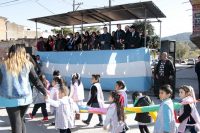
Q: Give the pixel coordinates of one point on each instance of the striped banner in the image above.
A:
(132, 66)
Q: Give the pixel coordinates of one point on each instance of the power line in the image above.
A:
(44, 7)
(15, 3)
(12, 1)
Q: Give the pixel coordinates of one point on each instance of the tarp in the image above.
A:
(130, 11)
(132, 66)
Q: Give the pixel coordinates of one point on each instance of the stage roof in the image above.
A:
(100, 15)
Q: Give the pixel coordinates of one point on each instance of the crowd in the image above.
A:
(19, 79)
(119, 39)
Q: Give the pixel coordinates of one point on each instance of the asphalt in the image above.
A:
(185, 75)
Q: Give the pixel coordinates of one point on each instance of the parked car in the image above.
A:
(191, 61)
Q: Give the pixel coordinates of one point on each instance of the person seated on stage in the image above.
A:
(105, 39)
(133, 39)
(119, 37)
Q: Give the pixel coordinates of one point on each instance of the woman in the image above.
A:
(94, 44)
(86, 41)
(15, 89)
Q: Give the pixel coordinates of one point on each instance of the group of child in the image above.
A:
(64, 105)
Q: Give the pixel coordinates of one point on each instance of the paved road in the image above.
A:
(185, 75)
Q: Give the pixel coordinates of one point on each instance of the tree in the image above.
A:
(182, 50)
(140, 26)
(91, 29)
(65, 31)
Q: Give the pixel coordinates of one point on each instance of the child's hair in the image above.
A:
(121, 84)
(43, 80)
(76, 76)
(64, 90)
(96, 77)
(135, 95)
(60, 81)
(167, 88)
(56, 73)
(120, 108)
(188, 90)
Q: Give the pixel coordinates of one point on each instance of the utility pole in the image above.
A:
(110, 21)
(74, 8)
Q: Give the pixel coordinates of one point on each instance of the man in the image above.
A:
(60, 43)
(70, 43)
(105, 40)
(133, 39)
(41, 44)
(164, 72)
(197, 70)
(119, 37)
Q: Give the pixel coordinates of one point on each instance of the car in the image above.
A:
(191, 61)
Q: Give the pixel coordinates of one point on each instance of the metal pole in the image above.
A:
(160, 31)
(82, 29)
(36, 30)
(110, 21)
(6, 30)
(145, 28)
(73, 11)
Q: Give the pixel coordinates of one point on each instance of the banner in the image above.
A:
(132, 66)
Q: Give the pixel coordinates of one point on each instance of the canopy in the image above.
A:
(141, 10)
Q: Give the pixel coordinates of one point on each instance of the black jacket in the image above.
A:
(169, 69)
(133, 41)
(143, 117)
(187, 113)
(197, 68)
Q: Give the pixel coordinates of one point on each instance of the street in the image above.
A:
(185, 76)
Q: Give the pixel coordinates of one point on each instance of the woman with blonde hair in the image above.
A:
(15, 89)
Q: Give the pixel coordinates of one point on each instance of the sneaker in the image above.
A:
(31, 116)
(45, 119)
(86, 122)
(52, 124)
(99, 125)
(126, 127)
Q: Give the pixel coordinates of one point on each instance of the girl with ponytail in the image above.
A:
(189, 118)
(77, 89)
(115, 114)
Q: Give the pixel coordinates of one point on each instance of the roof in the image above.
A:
(106, 14)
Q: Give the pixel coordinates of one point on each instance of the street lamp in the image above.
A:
(6, 24)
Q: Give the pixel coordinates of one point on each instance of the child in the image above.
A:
(121, 89)
(115, 114)
(65, 109)
(96, 99)
(189, 117)
(165, 122)
(39, 100)
(142, 118)
(54, 91)
(77, 89)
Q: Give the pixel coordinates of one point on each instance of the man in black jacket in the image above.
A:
(105, 40)
(164, 72)
(119, 37)
(197, 70)
(133, 39)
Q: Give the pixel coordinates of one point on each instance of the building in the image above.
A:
(13, 31)
(195, 37)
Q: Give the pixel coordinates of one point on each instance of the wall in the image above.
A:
(132, 66)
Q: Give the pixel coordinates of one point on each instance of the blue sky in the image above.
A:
(179, 15)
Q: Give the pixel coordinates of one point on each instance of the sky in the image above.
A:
(178, 12)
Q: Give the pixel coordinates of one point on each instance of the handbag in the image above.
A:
(77, 116)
